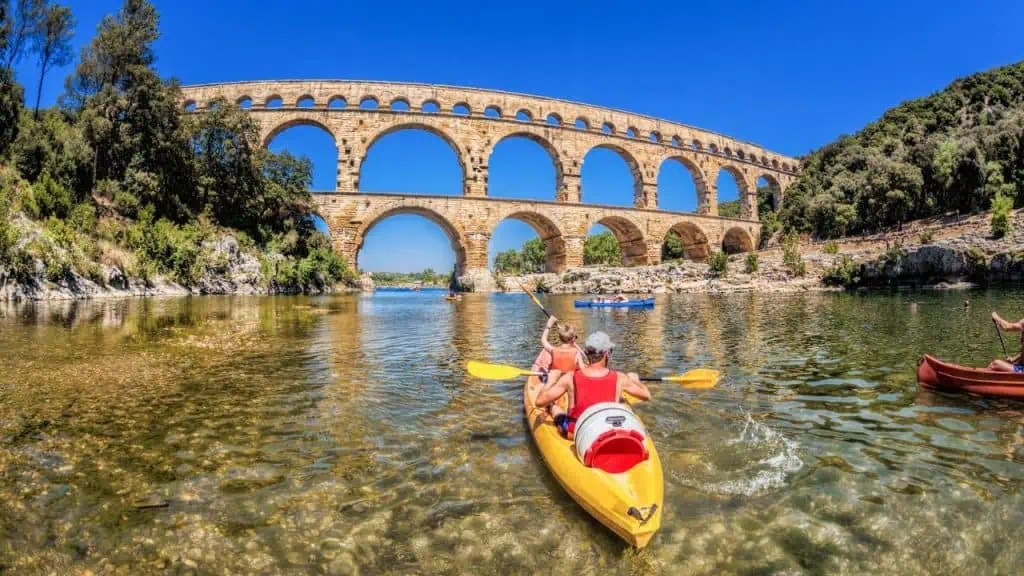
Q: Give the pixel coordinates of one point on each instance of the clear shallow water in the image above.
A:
(341, 435)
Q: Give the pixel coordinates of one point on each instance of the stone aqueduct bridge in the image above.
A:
(472, 122)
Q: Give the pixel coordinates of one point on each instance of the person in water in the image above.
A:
(592, 384)
(1013, 364)
(565, 357)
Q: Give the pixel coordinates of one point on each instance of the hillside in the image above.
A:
(953, 151)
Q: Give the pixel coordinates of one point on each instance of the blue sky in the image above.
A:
(790, 76)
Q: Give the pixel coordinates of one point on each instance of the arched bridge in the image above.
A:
(473, 121)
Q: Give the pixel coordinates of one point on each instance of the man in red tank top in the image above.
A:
(590, 385)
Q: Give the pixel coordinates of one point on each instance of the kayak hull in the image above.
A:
(646, 303)
(630, 503)
(935, 374)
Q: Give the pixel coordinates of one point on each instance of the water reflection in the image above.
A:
(295, 434)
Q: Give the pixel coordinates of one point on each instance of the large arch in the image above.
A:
(771, 184)
(433, 130)
(696, 174)
(544, 144)
(632, 244)
(737, 240)
(695, 242)
(274, 132)
(305, 138)
(455, 234)
(555, 255)
(631, 164)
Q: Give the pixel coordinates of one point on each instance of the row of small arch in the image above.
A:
(695, 240)
(492, 111)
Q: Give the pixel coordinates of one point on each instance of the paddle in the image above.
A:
(698, 378)
(1000, 333)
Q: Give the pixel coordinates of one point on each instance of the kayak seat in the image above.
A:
(616, 451)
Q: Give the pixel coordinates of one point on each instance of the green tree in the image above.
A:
(601, 248)
(508, 262)
(52, 42)
(11, 96)
(18, 30)
(672, 249)
(1002, 222)
(533, 256)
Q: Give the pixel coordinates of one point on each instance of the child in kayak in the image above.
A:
(1015, 363)
(590, 385)
(565, 357)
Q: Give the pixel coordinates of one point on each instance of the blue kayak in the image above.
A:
(648, 303)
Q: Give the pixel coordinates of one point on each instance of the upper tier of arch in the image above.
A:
(500, 106)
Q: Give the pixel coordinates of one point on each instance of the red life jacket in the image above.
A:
(563, 359)
(593, 390)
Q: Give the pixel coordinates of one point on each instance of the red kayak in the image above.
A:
(935, 374)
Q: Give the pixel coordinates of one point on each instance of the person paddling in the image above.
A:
(590, 385)
(1013, 364)
(565, 357)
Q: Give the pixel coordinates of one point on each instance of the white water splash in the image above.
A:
(778, 459)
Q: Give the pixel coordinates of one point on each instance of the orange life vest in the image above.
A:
(563, 359)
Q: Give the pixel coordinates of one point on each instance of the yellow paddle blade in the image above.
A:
(495, 371)
(697, 378)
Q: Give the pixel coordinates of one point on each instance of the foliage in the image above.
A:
(831, 247)
(601, 248)
(842, 273)
(8, 234)
(51, 40)
(719, 263)
(529, 261)
(427, 276)
(951, 151)
(672, 249)
(926, 237)
(753, 262)
(730, 209)
(791, 254)
(540, 286)
(1002, 223)
(53, 146)
(11, 95)
(894, 252)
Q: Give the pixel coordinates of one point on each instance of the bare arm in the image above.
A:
(544, 336)
(631, 383)
(554, 391)
(1017, 326)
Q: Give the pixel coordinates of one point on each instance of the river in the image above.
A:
(341, 434)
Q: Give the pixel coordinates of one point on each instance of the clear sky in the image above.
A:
(790, 76)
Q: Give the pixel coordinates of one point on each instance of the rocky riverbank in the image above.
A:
(228, 270)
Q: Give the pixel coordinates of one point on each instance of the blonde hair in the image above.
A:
(566, 333)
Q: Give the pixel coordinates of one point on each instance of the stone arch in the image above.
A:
(454, 232)
(459, 157)
(541, 141)
(745, 191)
(694, 240)
(634, 168)
(736, 240)
(293, 122)
(774, 188)
(632, 244)
(696, 173)
(304, 98)
(555, 255)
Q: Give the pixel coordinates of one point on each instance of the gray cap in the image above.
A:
(599, 343)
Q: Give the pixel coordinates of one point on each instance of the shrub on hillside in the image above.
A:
(752, 263)
(791, 255)
(842, 273)
(1002, 207)
(831, 247)
(719, 263)
(926, 237)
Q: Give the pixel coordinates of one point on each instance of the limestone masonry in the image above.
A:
(473, 121)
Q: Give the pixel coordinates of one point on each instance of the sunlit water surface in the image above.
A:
(342, 434)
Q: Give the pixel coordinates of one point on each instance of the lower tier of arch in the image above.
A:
(470, 222)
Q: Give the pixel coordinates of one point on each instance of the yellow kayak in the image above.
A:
(629, 504)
